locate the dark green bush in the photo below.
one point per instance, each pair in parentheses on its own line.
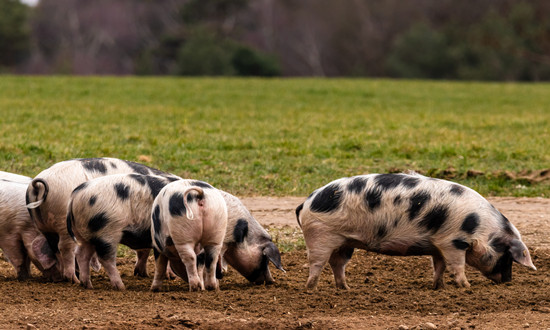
(249,62)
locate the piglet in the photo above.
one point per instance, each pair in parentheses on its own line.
(109,210)
(188,216)
(408,214)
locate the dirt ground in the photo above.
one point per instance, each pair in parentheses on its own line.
(386,292)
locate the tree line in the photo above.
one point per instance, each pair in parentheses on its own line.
(435,39)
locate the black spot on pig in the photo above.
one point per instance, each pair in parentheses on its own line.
(397,200)
(208,259)
(460,244)
(470,223)
(410,182)
(417,202)
(357,185)
(201,184)
(373,197)
(97,222)
(499,244)
(102,248)
(176,205)
(155,184)
(156,219)
(435,218)
(171,178)
(140,179)
(138,168)
(240,231)
(506,224)
(421,249)
(92,200)
(328,199)
(80,187)
(298,210)
(94,165)
(70,221)
(201,258)
(388,181)
(138,239)
(457,190)
(191,197)
(53,241)
(113,165)
(382,231)
(122,191)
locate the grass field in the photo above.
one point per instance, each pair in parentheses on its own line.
(282,136)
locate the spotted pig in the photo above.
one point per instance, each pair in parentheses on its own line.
(188,216)
(109,210)
(408,214)
(49,192)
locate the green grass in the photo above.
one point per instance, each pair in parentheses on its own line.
(287,238)
(282,136)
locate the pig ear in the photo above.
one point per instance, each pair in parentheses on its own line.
(94,262)
(272,253)
(43,253)
(477,248)
(520,254)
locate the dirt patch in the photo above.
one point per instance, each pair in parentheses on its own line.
(386,292)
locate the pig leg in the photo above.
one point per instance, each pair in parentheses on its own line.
(338,261)
(17,256)
(439,266)
(170,275)
(67,249)
(212,255)
(320,248)
(189,259)
(109,263)
(84,254)
(140,269)
(160,272)
(456,260)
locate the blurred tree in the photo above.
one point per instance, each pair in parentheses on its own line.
(506,46)
(14,32)
(421,52)
(472,39)
(203,53)
(249,62)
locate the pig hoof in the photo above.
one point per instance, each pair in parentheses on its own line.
(140,273)
(195,288)
(155,288)
(212,287)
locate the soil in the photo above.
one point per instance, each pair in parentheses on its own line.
(386,292)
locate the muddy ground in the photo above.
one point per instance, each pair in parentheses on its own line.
(386,292)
